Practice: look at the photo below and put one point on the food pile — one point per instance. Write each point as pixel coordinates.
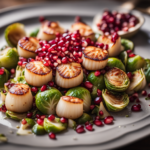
(55, 79)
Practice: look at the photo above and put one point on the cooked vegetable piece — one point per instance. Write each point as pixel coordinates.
(72, 124)
(147, 70)
(84, 118)
(127, 44)
(4, 77)
(38, 129)
(103, 109)
(123, 56)
(34, 33)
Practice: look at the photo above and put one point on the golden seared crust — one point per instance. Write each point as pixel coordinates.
(38, 67)
(30, 45)
(19, 89)
(51, 28)
(116, 76)
(72, 99)
(69, 70)
(84, 29)
(95, 53)
(106, 40)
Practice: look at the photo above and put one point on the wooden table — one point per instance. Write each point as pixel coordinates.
(143, 144)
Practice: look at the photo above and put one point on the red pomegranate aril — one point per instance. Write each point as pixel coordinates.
(1, 71)
(135, 95)
(40, 122)
(80, 129)
(38, 116)
(129, 51)
(97, 73)
(12, 71)
(97, 118)
(148, 95)
(42, 117)
(108, 120)
(88, 84)
(89, 127)
(98, 100)
(29, 115)
(129, 74)
(101, 113)
(144, 93)
(43, 88)
(23, 121)
(51, 117)
(34, 89)
(64, 60)
(106, 47)
(19, 63)
(86, 123)
(3, 108)
(46, 64)
(51, 83)
(131, 55)
(98, 123)
(92, 107)
(103, 71)
(99, 92)
(136, 107)
(80, 54)
(52, 135)
(41, 18)
(26, 38)
(137, 100)
(64, 120)
(131, 98)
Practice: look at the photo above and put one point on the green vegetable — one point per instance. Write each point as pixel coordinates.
(54, 126)
(13, 33)
(84, 77)
(138, 82)
(115, 62)
(94, 92)
(116, 80)
(3, 138)
(84, 118)
(95, 110)
(127, 44)
(115, 101)
(103, 109)
(34, 33)
(147, 70)
(123, 56)
(15, 116)
(46, 101)
(9, 58)
(38, 130)
(135, 63)
(30, 123)
(82, 93)
(72, 124)
(4, 78)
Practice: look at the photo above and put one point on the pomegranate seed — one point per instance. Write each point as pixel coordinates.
(135, 95)
(88, 84)
(26, 38)
(97, 118)
(24, 121)
(98, 122)
(29, 115)
(97, 73)
(43, 88)
(46, 64)
(129, 51)
(3, 108)
(108, 120)
(51, 83)
(98, 100)
(41, 18)
(20, 63)
(12, 71)
(64, 60)
(40, 122)
(89, 127)
(52, 135)
(87, 123)
(1, 71)
(137, 100)
(38, 116)
(103, 71)
(64, 120)
(129, 74)
(51, 117)
(148, 95)
(131, 98)
(105, 47)
(101, 113)
(131, 55)
(34, 89)
(42, 117)
(144, 93)
(136, 107)
(99, 92)
(80, 129)
(92, 107)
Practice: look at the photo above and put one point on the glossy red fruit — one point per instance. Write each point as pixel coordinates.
(43, 88)
(131, 98)
(42, 117)
(41, 18)
(144, 93)
(52, 135)
(23, 121)
(97, 118)
(29, 115)
(51, 83)
(38, 116)
(98, 100)
(64, 120)
(87, 123)
(51, 117)
(92, 107)
(108, 120)
(97, 73)
(129, 74)
(34, 89)
(1, 71)
(101, 113)
(99, 92)
(131, 55)
(88, 84)
(12, 71)
(89, 127)
(136, 107)
(98, 123)
(40, 122)
(80, 129)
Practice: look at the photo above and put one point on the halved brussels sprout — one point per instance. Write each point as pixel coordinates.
(135, 63)
(54, 126)
(116, 80)
(4, 78)
(46, 101)
(97, 81)
(115, 62)
(123, 56)
(34, 33)
(147, 70)
(138, 82)
(115, 101)
(82, 93)
(9, 57)
(13, 33)
(38, 130)
(127, 44)
(103, 109)
(3, 138)
(72, 124)
(94, 92)
(15, 116)
(30, 123)
(84, 118)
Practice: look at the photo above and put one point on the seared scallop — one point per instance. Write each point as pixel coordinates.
(37, 74)
(69, 75)
(94, 58)
(19, 98)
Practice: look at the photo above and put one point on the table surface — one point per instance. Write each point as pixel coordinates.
(143, 144)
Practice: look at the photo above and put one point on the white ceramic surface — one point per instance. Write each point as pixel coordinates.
(124, 130)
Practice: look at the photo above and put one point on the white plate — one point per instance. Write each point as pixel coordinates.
(124, 130)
